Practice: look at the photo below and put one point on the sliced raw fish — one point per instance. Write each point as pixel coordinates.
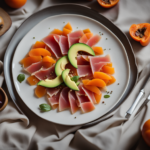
(97, 62)
(52, 44)
(83, 39)
(63, 44)
(34, 67)
(82, 60)
(53, 91)
(54, 100)
(43, 74)
(72, 100)
(93, 40)
(63, 99)
(83, 97)
(90, 95)
(84, 70)
(87, 107)
(74, 37)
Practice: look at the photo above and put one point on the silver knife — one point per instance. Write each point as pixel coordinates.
(145, 102)
(133, 106)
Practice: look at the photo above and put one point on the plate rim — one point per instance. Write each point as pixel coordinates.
(10, 48)
(100, 24)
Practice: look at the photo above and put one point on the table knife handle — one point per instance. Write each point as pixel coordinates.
(133, 106)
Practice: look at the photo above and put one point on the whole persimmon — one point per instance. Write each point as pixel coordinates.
(108, 3)
(146, 132)
(15, 3)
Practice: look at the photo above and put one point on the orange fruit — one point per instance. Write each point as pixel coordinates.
(57, 31)
(93, 89)
(32, 80)
(38, 44)
(27, 61)
(39, 52)
(68, 26)
(40, 91)
(94, 82)
(15, 3)
(101, 75)
(146, 132)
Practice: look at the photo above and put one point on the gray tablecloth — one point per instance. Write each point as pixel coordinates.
(19, 132)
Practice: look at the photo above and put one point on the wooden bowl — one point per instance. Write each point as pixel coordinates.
(7, 21)
(2, 92)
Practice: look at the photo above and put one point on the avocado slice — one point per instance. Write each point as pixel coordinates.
(71, 84)
(51, 83)
(60, 65)
(75, 48)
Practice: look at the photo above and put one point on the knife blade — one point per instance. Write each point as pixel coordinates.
(141, 93)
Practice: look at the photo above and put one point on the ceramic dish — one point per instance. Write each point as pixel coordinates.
(57, 10)
(109, 42)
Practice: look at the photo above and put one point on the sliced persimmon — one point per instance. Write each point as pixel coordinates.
(109, 64)
(109, 70)
(111, 81)
(32, 80)
(89, 35)
(94, 89)
(27, 61)
(98, 50)
(49, 59)
(101, 75)
(57, 31)
(98, 97)
(86, 31)
(39, 52)
(108, 3)
(66, 31)
(39, 44)
(96, 82)
(47, 64)
(106, 81)
(68, 26)
(40, 91)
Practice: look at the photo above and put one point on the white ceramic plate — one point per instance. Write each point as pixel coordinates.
(113, 47)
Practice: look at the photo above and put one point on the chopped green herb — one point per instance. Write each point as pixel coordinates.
(106, 38)
(21, 77)
(45, 107)
(106, 96)
(77, 27)
(33, 37)
(49, 28)
(75, 78)
(63, 22)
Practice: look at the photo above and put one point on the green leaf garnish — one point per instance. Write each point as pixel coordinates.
(106, 96)
(45, 107)
(77, 83)
(21, 77)
(75, 78)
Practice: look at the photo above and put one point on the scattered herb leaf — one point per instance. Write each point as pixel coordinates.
(106, 96)
(75, 78)
(33, 37)
(45, 107)
(21, 77)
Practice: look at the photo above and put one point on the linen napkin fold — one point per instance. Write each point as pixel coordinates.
(15, 133)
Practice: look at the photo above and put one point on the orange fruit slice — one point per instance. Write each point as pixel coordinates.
(32, 80)
(39, 52)
(40, 91)
(27, 61)
(101, 75)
